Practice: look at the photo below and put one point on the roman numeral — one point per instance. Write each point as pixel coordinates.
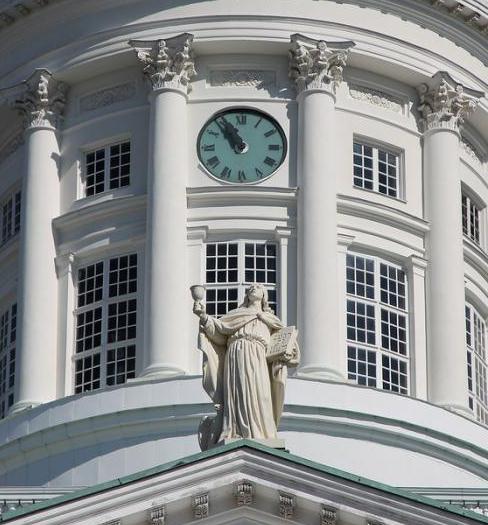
(269, 161)
(241, 175)
(259, 173)
(274, 147)
(214, 133)
(225, 174)
(209, 147)
(214, 161)
(241, 120)
(270, 132)
(258, 122)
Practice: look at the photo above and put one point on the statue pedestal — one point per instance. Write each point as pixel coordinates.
(272, 443)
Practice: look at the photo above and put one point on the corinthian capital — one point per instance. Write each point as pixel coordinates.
(316, 64)
(41, 100)
(444, 104)
(167, 63)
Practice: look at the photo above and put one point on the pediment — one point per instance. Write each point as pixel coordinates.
(242, 483)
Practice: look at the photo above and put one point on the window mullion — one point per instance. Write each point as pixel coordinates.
(375, 170)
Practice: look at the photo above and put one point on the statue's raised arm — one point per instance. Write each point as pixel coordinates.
(245, 358)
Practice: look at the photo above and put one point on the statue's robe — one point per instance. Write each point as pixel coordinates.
(248, 392)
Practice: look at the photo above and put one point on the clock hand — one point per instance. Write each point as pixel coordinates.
(237, 143)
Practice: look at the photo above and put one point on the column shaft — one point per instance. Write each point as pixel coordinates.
(318, 308)
(166, 283)
(37, 298)
(447, 369)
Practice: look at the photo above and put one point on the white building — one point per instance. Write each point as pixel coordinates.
(358, 197)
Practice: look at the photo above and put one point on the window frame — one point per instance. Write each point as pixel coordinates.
(8, 356)
(104, 303)
(379, 307)
(377, 146)
(477, 405)
(94, 147)
(241, 284)
(481, 208)
(14, 195)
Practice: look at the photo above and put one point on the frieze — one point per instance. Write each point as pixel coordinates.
(328, 516)
(376, 98)
(157, 515)
(254, 78)
(107, 97)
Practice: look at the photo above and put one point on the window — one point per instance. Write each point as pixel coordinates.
(10, 216)
(376, 169)
(107, 168)
(230, 267)
(8, 337)
(477, 364)
(106, 323)
(471, 219)
(377, 324)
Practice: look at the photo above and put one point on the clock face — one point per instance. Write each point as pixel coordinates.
(241, 146)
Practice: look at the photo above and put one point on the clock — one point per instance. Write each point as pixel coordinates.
(241, 145)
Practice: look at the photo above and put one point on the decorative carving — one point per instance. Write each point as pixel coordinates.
(444, 103)
(259, 79)
(244, 492)
(107, 96)
(43, 100)
(200, 506)
(287, 506)
(11, 146)
(470, 150)
(248, 394)
(328, 516)
(316, 64)
(167, 63)
(377, 98)
(157, 515)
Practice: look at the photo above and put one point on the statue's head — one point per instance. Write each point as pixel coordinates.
(257, 292)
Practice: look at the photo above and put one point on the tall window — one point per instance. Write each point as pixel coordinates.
(232, 266)
(107, 168)
(477, 364)
(106, 323)
(8, 337)
(377, 324)
(376, 169)
(471, 219)
(10, 218)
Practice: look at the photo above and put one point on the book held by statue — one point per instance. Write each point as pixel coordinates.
(282, 344)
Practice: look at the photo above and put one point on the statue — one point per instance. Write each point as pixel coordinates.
(246, 354)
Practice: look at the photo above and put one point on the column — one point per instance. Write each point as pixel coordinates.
(443, 106)
(168, 67)
(41, 103)
(316, 68)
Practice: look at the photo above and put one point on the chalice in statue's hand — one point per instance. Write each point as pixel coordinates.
(198, 293)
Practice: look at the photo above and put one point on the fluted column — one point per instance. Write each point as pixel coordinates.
(443, 106)
(168, 67)
(41, 103)
(316, 68)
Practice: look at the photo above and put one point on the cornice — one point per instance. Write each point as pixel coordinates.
(474, 13)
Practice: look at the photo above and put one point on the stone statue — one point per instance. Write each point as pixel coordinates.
(245, 358)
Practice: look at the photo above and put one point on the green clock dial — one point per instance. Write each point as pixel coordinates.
(241, 146)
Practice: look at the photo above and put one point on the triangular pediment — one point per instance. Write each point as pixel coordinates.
(242, 483)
